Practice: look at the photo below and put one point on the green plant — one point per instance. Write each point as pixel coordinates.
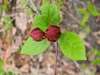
(70, 43)
(2, 72)
(96, 61)
(1, 67)
(92, 9)
(74, 48)
(6, 21)
(6, 6)
(5, 18)
(86, 15)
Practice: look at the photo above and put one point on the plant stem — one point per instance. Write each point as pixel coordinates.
(56, 56)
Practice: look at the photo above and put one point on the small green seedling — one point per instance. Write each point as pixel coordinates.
(6, 21)
(6, 6)
(86, 13)
(96, 61)
(92, 9)
(2, 72)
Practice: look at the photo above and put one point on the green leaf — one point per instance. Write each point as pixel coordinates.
(52, 13)
(7, 18)
(72, 46)
(82, 11)
(85, 18)
(41, 22)
(5, 6)
(95, 13)
(98, 52)
(6, 22)
(96, 61)
(32, 47)
(1, 65)
(7, 26)
(90, 6)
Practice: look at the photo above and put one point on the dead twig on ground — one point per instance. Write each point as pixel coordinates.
(35, 8)
(98, 18)
(75, 6)
(71, 15)
(31, 9)
(61, 67)
(77, 65)
(80, 2)
(96, 36)
(19, 12)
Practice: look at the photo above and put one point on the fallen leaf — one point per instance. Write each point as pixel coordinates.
(21, 22)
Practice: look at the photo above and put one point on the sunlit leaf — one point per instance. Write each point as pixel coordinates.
(32, 47)
(82, 11)
(85, 19)
(72, 46)
(52, 13)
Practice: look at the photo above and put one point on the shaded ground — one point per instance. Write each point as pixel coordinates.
(43, 64)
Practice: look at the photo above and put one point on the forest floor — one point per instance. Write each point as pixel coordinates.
(13, 39)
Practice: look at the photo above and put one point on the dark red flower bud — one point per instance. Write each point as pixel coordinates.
(37, 34)
(53, 33)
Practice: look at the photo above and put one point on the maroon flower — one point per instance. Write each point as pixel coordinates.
(37, 34)
(53, 33)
